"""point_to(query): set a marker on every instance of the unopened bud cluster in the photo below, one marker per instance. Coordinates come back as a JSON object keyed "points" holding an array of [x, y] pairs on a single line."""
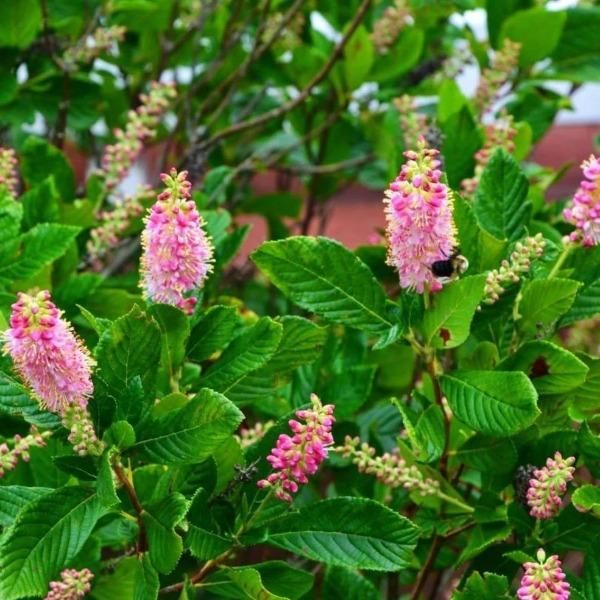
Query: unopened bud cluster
{"points": [[81, 432], [511, 270], [248, 436], [388, 27], [389, 468], [548, 485], [494, 77], [18, 449], [92, 46], [296, 457], [113, 224], [412, 123], [544, 579], [73, 585], [499, 134], [141, 125], [9, 179], [289, 37]]}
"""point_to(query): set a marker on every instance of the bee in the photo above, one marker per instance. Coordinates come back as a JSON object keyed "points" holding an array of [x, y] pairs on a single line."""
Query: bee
{"points": [[451, 267]]}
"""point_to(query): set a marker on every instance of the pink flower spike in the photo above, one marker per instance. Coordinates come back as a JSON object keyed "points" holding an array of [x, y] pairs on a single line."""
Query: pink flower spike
{"points": [[420, 229], [584, 209], [177, 253], [548, 485], [47, 354], [544, 580], [294, 458]]}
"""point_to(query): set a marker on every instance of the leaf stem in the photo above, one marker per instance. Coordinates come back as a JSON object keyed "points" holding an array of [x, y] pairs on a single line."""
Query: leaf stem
{"points": [[456, 502], [142, 543], [561, 260], [436, 545]]}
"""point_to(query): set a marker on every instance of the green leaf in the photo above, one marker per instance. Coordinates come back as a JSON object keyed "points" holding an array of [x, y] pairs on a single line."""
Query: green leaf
{"points": [[349, 390], [492, 402], [579, 39], [40, 160], [482, 537], [552, 370], [46, 535], [242, 583], [501, 199], [19, 22], [16, 401], [175, 329], [447, 323], [132, 579], [160, 519], [248, 352], [359, 56], [14, 497], [591, 575], [352, 532], [204, 538], [461, 140], [281, 578], [11, 214], [488, 454], [274, 206], [543, 301], [127, 354], [40, 246], [212, 332], [191, 434], [585, 305], [105, 484], [322, 276], [587, 499], [40, 204], [451, 100], [342, 583], [537, 30], [488, 587], [147, 582], [401, 57]]}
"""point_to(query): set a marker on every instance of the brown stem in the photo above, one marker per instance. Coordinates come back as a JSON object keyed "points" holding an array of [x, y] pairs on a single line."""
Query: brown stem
{"points": [[142, 543], [290, 105], [393, 586], [438, 397], [436, 545], [58, 139]]}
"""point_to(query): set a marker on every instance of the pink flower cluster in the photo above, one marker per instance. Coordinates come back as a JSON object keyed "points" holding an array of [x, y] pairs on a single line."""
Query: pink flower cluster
{"points": [[420, 229], [9, 457], [296, 457], [142, 124], [584, 209], [113, 224], [9, 180], [544, 580], [47, 354], [73, 585], [177, 253], [548, 485]]}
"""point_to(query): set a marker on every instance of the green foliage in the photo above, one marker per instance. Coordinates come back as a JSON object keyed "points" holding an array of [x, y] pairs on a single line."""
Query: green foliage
{"points": [[443, 401]]}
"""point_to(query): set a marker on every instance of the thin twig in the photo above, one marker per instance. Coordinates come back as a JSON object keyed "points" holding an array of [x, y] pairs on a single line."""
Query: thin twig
{"points": [[436, 545], [291, 104]]}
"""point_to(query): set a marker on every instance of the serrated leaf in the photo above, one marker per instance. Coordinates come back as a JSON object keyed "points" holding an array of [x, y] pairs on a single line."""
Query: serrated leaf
{"points": [[241, 583], [46, 535], [160, 519], [40, 204], [146, 582], [105, 484], [488, 454], [488, 587], [552, 370], [349, 389], [492, 402], [447, 323], [11, 214], [14, 497], [342, 583], [500, 200], [212, 332], [127, 354], [324, 277], [591, 575], [483, 536], [248, 352], [543, 301], [191, 434], [204, 538], [587, 499], [285, 580], [16, 401], [351, 532], [39, 247]]}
